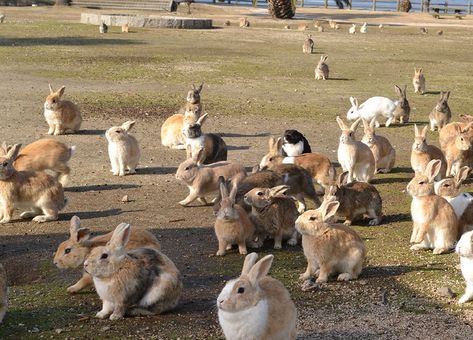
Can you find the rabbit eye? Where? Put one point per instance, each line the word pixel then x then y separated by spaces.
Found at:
pixel 187 168
pixel 67 250
pixel 117 131
pixel 312 218
pixel 461 138
pixel 271 159
pixel 54 100
pixel 259 193
pixel 350 134
pixel 422 182
pixel 5 164
pixel 104 256
pixel 241 290
pixel 447 185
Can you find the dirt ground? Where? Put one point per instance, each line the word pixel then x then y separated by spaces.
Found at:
pixel 397 293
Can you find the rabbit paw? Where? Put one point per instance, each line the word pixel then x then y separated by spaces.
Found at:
pixel 183 203
pixel 40 219
pixel 102 315
pixel 72 290
pixel 347 223
pixel 463 299
pixel 4 220
pixel 344 277
pixel 220 253
pixel 321 280
pixel 116 316
pixel 304 276
pixel 418 246
pixel 292 242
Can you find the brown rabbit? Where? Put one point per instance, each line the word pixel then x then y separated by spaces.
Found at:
pixel 418 81
pixel 459 149
pixel 383 152
pixel 402 111
pixel 441 114
pixel 422 153
pixel 62 116
pixel 308 46
pixel 322 71
pixel 330 249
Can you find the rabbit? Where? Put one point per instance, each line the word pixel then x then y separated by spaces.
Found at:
pixel 435 224
pixel 44 154
pixel 330 249
pixel 2 18
pixel 273 213
pixel 418 81
pixel 355 156
pixel 308 46
pixel 356 199
pixel 332 24
pixel 464 249
pixel 422 153
pixel 3 293
pixel 374 107
pixel 458 146
pixel 352 29
pixel 73 252
pixel 123 149
pixel 450 131
pixel 37 191
pixel 462 203
pixel 125 28
pixel 62 116
pixel 321 29
pixel 402 111
pixel 203 179
pixel 213 147
pixel 233 225
pixel 244 22
pixel 321 70
pixel 103 28
pixel 294 144
pixel 383 152
pixel 364 28
pixel 141 281
pixel 256 306
pixel 317 165
pixel 441 114
pixel 171 130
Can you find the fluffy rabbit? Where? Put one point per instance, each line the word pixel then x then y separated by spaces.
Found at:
pixel 462 203
pixel 459 148
pixel 330 249
pixel 374 107
pixel 44 154
pixel 364 28
pixel 418 81
pixel 103 28
pixel 294 143
pixel 273 213
pixel 123 149
pixel 356 199
pixel 355 156
pixel 62 116
pixel 203 179
pixel 232 226
pixel 441 114
pixel 450 132
pixel 73 252
pixel 464 249
pixel 352 29
pixel 256 306
pixel 308 46
pixel 142 281
pixel 321 70
pixel 37 191
pixel 171 130
pixel 422 153
pixel 383 152
pixel 317 165
pixel 435 225
pixel 3 293
pixel 210 147
pixel 403 109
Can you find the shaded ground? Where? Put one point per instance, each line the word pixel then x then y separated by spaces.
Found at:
pixel 257 82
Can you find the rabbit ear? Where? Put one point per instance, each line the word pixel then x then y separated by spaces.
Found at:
pixel 366 125
pixel 354 102
pixel 200 87
pixel 255 169
pixel 405 89
pixel 279 191
pixel 128 125
pixel 462 174
pixel 416 130
pixel 4 149
pixel 75 225
pixel 60 92
pixel 82 235
pixel 432 169
pixel 234 192
pixel 260 269
pixel 223 187
pixel 354 126
pixel 13 152
pixel 202 119
pixel 329 209
pixel 120 235
pixel 50 89
pixel 193 87
pixel 341 124
pixel 424 131
pixel 446 95
pixel 373 122
pixel 250 261
pixel 279 144
pixel 398 90
pixel 272 144
pixel 342 178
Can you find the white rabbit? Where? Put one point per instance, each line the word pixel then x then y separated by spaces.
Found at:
pixel 380 107
pixel 464 249
pixel 123 149
pixel 352 29
pixel 364 28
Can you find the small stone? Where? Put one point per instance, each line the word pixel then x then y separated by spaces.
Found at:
pixel 125 199
pixel 34 330
pixel 58 330
pixel 105 328
pixel 446 292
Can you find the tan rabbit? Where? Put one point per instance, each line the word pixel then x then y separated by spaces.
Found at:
pixel 44 154
pixel 332 24
pixel 422 153
pixel 418 81
pixel 244 22
pixel 3 293
pixel 123 149
pixel 232 226
pixel 37 191
pixel 462 203
pixel 256 306
pixel 203 179
pixel 317 165
pixel 450 132
pixel 321 70
pixel 330 249
pixel 356 199
pixel 273 213
pixel 435 224
pixel 355 156
pixel 308 46
pixel 125 28
pixel 73 252
pixel 458 146
pixel 141 281
pixel 402 111
pixel 441 114
pixel 62 116
pixel 171 130
pixel 383 152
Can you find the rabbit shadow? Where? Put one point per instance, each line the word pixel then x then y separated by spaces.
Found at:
pixel 91 132
pixel 240 147
pixel 87 215
pixel 396 218
pixel 156 171
pixel 231 134
pixel 340 79
pixel 390 180
pixel 432 92
pixel 388 271
pixel 101 187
